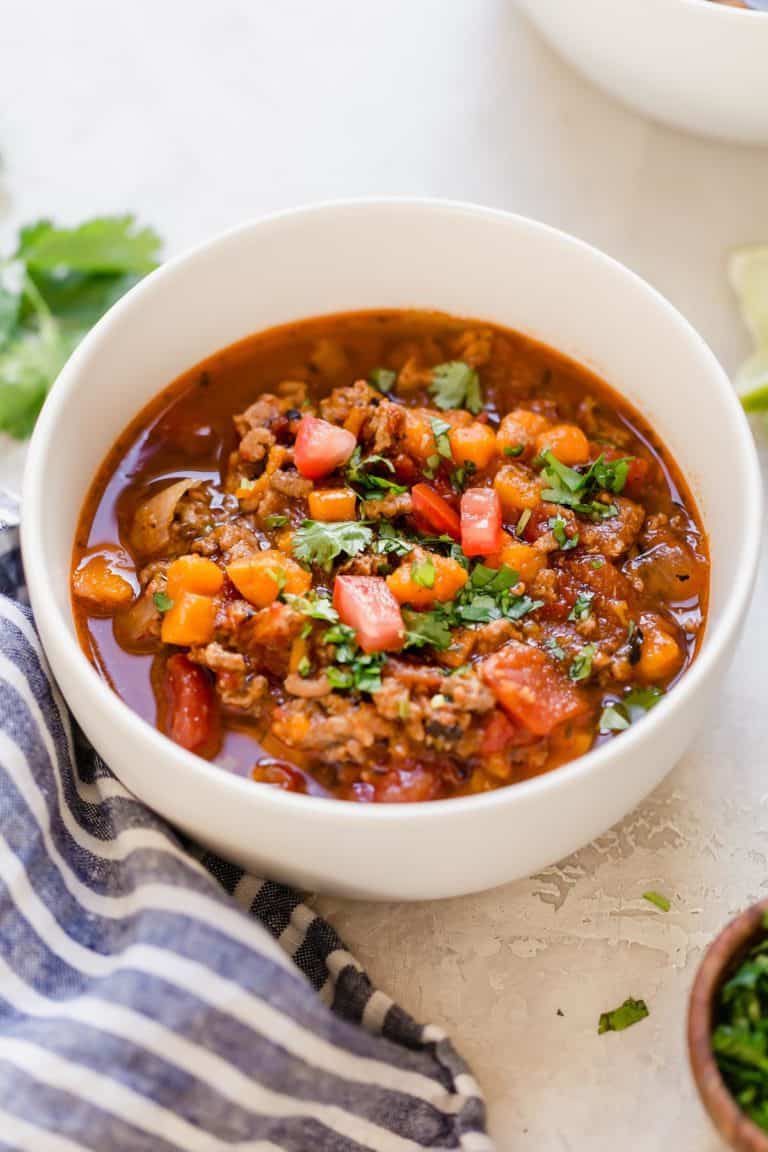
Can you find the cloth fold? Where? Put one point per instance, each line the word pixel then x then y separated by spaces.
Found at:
pixel 154 998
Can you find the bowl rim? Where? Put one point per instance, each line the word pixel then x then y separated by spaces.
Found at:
pixel 96 692
pixel 724 11
pixel 729 1119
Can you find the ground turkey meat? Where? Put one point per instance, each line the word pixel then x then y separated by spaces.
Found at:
pixel 334 730
pixel 616 535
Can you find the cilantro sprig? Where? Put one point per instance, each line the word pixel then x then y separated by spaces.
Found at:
pixel 456 385
pixel 319 543
pixel 629 1013
pixel 368 483
pixel 53 288
pixel 577 490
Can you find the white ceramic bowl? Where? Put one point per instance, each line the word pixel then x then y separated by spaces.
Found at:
pixel 690 63
pixel 461 259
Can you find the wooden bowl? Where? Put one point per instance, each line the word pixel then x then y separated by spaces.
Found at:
pixel 722 956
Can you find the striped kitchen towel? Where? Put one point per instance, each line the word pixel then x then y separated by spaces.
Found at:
pixel 155 999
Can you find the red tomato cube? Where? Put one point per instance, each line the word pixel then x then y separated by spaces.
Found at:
pixel 433 513
pixel 480 522
pixel 366 604
pixel 190 706
pixel 321 447
pixel 531 689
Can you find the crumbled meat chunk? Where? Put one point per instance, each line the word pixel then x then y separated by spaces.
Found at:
pixel 392 505
pixel 474 346
pixel 383 427
pixel 267 635
pixel 335 730
pixel 255 445
pixel 616 535
pixel 337 407
pixel 218 658
pixel 291 484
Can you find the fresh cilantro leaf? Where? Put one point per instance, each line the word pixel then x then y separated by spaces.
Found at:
pixel 162 602
pixel 598 562
pixel 554 648
pixel 371 486
pixel 304 667
pixel 656 898
pixel 431 465
pixel 352 668
pixel 320 543
pixel 639 701
pixel 514 450
pixel 391 542
pixel 423 572
pixel 462 474
pixel 276 521
pixel 479 609
pixel 629 1013
pixel 576 490
pixel 613 719
pixel 581 666
pixel 488 596
pixel 440 430
pixel 558 527
pixel 57 284
pixel 427 628
pixel 108 244
pixel 383 379
pixel 456 385
pixel 493 580
pixel 582 608
pixel 618 715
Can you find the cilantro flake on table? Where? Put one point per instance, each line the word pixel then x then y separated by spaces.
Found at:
pixel 629 1013
pixel 456 385
pixel 53 288
pixel 656 898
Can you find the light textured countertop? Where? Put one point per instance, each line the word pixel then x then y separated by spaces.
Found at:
pixel 199 115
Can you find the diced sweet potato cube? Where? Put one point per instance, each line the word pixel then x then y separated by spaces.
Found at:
pixel 262 577
pixel 193 573
pixel 189 621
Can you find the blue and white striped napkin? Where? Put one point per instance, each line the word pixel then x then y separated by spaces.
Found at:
pixel 155 999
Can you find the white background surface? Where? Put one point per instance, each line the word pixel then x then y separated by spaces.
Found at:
pixel 197 115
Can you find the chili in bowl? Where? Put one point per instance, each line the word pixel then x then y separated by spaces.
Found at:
pixel 390 556
pixel 375 598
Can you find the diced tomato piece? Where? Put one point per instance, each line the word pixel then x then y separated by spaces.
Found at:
pixel 433 513
pixel 366 604
pixel 191 713
pixel 534 692
pixel 637 476
pixel 321 447
pixel 480 522
pixel 408 785
pixel 499 733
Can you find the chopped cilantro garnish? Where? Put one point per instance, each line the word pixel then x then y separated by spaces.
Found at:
pixel 427 628
pixel 582 607
pixel 598 562
pixel 423 572
pixel 391 542
pixel 162 601
pixel 304 667
pixel 629 1013
pixel 581 665
pixel 431 465
pixel 440 430
pixel 577 490
pixel 456 385
pixel 739 1036
pixel 558 526
pixel 460 475
pixel 612 719
pixel 352 668
pixel 619 714
pixel 383 379
pixel 522 523
pixel 320 543
pixel 656 898
pixel 316 606
pixel 554 648
pixel 276 521
pixel 514 449
pixel 370 485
